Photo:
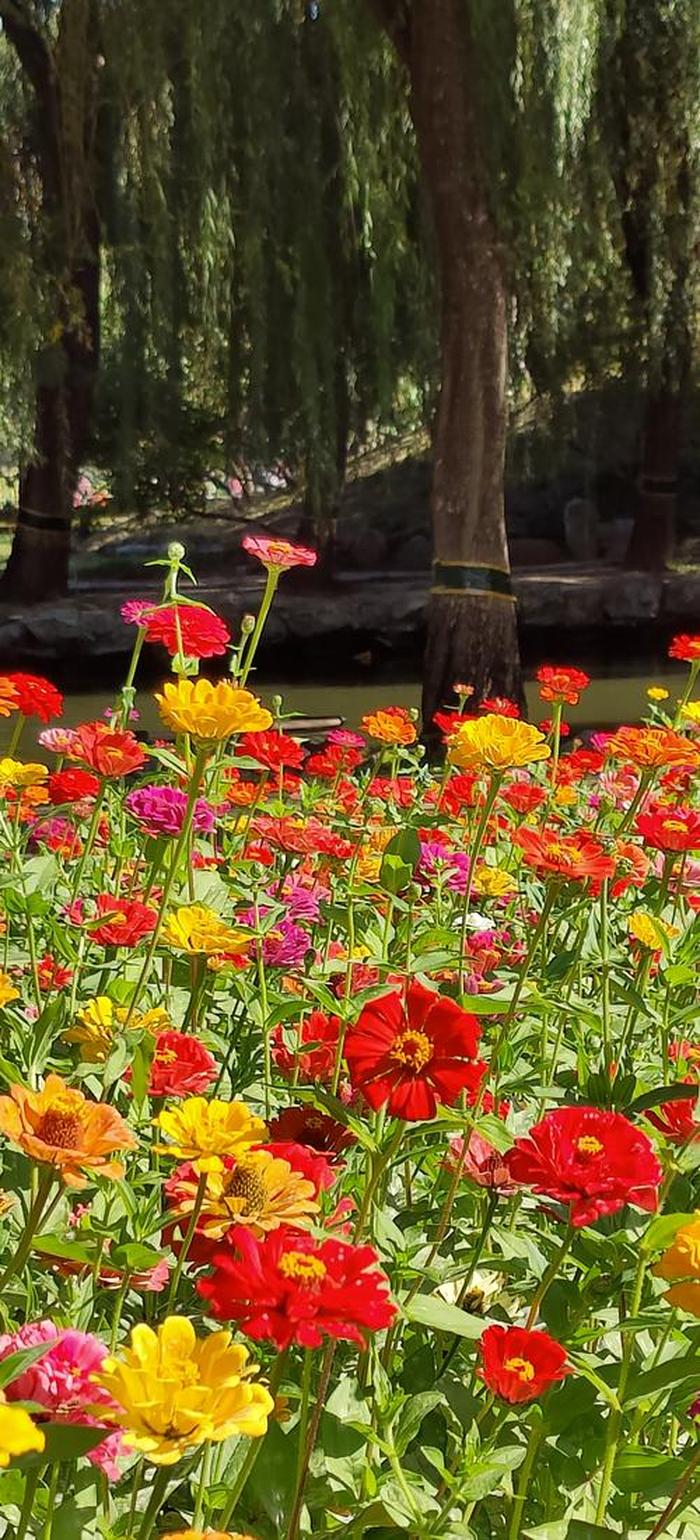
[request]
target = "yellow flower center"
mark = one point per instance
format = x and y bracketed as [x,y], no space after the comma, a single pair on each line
[61,1127]
[413,1049]
[589,1145]
[166,1056]
[247,1184]
[522,1367]
[299,1265]
[674,824]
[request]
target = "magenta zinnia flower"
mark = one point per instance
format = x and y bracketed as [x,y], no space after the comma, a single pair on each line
[161,810]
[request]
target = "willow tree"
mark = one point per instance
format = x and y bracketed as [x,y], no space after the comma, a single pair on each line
[498,97]
[648,138]
[212,206]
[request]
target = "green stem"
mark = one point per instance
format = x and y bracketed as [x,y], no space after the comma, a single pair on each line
[605,976]
[189,1236]
[155,1503]
[548,1278]
[524,1479]
[181,844]
[312,1435]
[267,598]
[615,1420]
[34,1218]
[252,1455]
[203,1485]
[474,854]
[51,1505]
[30,1487]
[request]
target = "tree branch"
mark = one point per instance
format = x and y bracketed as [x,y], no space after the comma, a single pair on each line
[394,17]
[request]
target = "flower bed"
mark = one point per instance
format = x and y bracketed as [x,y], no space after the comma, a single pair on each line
[347,1114]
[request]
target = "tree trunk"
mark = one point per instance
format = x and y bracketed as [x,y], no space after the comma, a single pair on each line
[653,536]
[472,629]
[66,369]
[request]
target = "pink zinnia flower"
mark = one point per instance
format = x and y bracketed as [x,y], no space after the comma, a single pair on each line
[278,555]
[62,1382]
[58,740]
[137,611]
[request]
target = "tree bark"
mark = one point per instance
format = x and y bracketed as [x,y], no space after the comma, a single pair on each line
[472,629]
[66,368]
[653,535]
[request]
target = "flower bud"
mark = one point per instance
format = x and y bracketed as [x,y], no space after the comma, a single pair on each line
[176,551]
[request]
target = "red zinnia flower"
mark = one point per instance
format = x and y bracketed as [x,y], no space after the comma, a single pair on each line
[519,1365]
[273,750]
[500,706]
[316,1063]
[109,751]
[448,721]
[181,1066]
[524,797]
[631,867]
[290,1287]
[678,1120]
[333,761]
[670,828]
[413,1055]
[122,922]
[685,647]
[563,685]
[71,786]
[37,697]
[576,857]
[318,1131]
[51,974]
[278,555]
[191,629]
[592,1161]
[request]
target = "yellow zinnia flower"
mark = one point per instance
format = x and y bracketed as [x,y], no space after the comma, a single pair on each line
[691,711]
[493,882]
[258,1189]
[7,989]
[682,1258]
[492,742]
[94,1030]
[649,930]
[211,712]
[204,1131]
[206,1534]
[657,692]
[14,773]
[18,1434]
[175,1390]
[196,929]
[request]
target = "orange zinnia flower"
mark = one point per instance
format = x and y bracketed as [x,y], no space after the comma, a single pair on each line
[576,857]
[60,1127]
[652,748]
[9,699]
[391,724]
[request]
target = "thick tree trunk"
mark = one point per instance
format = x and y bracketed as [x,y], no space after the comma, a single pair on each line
[472,630]
[38,564]
[66,371]
[653,535]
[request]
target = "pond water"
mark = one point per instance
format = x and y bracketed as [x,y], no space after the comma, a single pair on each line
[607,702]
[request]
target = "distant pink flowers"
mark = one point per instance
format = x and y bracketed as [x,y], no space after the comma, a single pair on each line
[160,810]
[62,1382]
[278,555]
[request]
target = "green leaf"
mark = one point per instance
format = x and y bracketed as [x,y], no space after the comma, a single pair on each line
[672,1372]
[135,1258]
[66,1441]
[487,1475]
[646,1470]
[16,1363]
[431,1310]
[271,1485]
[411,1416]
[661,1231]
[665,1093]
